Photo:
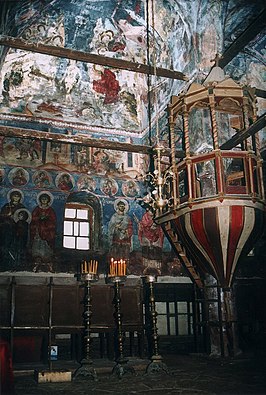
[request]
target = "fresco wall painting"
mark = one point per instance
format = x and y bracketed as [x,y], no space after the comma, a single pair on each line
[34,195]
[42,92]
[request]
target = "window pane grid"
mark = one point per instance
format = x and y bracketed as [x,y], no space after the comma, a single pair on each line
[174,318]
[168,318]
[76,228]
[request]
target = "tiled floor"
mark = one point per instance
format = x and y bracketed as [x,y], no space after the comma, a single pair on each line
[186,374]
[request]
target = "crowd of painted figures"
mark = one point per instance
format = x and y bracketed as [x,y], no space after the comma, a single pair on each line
[23,231]
[19,177]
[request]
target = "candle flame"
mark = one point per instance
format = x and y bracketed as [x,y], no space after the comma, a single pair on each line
[90,267]
[117,268]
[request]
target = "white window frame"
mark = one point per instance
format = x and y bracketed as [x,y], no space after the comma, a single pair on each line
[77,227]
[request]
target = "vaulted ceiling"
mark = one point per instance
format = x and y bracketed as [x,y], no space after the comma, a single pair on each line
[108,68]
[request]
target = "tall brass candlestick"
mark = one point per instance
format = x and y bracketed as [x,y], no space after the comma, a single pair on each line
[117,275]
[88,275]
[156,365]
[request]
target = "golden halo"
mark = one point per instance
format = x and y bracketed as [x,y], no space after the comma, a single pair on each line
[15,190]
[45,193]
[17,212]
[117,201]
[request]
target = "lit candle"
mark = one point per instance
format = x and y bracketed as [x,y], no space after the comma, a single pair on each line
[93,266]
[90,267]
[111,267]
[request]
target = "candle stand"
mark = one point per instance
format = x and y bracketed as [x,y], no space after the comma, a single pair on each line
[156,365]
[86,364]
[121,366]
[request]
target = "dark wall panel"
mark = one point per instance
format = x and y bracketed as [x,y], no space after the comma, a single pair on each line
[5,304]
[67,306]
[31,305]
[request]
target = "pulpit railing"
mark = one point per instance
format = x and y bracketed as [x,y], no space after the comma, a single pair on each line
[214,175]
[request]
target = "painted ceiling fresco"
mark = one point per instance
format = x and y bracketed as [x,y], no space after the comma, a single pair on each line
[185,36]
[48,93]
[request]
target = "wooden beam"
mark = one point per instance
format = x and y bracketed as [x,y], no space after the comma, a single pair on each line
[11,131]
[243,134]
[241,41]
[90,58]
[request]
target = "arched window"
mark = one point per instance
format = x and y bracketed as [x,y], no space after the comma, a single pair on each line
[82,222]
[78,226]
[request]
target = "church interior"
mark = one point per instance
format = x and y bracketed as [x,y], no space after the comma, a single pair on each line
[132,196]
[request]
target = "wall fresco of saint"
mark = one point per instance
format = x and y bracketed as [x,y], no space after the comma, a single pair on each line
[34,193]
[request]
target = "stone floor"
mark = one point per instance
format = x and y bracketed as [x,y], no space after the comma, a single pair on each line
[185,374]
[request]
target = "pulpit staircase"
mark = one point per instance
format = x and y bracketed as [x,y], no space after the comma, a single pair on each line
[182,255]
